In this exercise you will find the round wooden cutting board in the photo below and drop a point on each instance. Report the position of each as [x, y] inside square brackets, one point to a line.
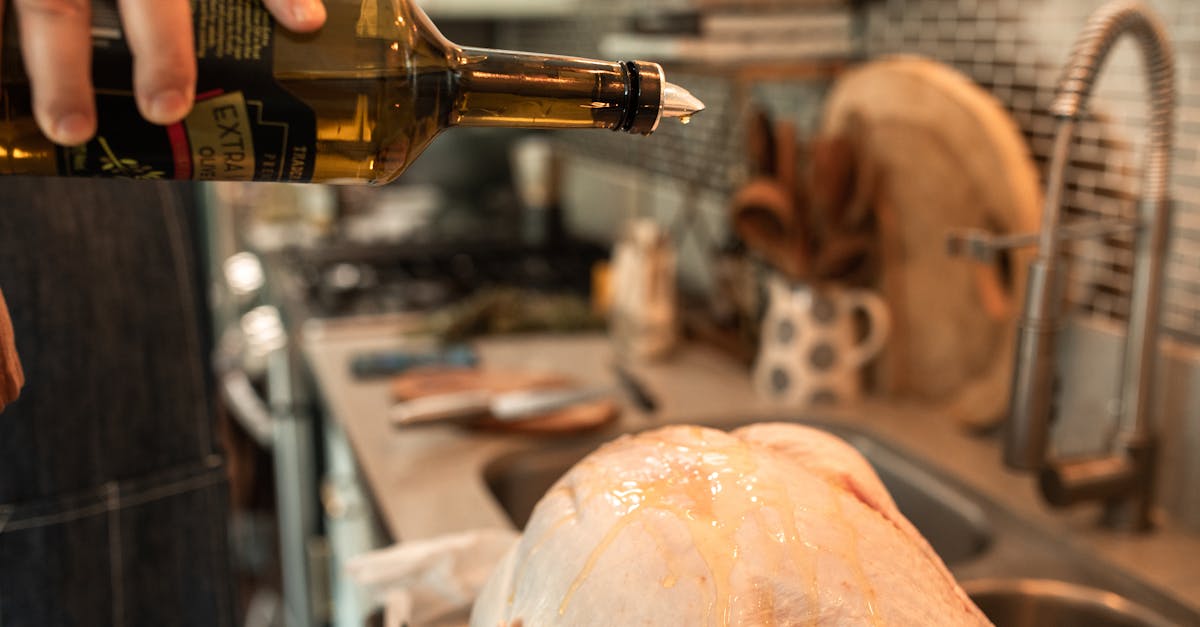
[934, 152]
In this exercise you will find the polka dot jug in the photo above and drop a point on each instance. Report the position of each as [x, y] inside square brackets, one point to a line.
[810, 352]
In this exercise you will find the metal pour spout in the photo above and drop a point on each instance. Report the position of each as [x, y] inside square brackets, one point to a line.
[678, 102]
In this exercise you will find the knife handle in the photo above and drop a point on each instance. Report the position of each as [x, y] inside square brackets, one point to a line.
[387, 363]
[635, 389]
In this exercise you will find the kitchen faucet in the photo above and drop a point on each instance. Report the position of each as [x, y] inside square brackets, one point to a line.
[1123, 477]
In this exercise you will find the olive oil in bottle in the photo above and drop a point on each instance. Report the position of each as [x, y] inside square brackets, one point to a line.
[355, 102]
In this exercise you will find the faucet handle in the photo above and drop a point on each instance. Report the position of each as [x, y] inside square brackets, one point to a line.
[982, 245]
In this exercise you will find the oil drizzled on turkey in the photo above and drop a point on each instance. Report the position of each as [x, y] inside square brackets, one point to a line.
[773, 524]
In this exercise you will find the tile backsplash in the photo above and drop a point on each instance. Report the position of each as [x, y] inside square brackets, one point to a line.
[1013, 48]
[1016, 49]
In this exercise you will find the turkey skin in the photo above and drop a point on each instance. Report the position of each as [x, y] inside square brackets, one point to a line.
[771, 524]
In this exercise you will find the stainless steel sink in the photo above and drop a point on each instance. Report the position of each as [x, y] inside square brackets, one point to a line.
[994, 553]
[1049, 603]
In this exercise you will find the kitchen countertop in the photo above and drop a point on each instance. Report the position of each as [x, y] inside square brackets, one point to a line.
[428, 481]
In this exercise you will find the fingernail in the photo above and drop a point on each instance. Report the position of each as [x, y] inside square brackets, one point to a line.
[305, 11]
[301, 10]
[72, 129]
[168, 106]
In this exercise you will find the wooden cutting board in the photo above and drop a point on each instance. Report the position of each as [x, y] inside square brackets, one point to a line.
[579, 417]
[934, 152]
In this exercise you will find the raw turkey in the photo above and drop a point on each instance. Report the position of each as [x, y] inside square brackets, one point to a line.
[772, 524]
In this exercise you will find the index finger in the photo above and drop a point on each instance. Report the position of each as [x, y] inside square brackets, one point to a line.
[301, 16]
[56, 42]
[159, 34]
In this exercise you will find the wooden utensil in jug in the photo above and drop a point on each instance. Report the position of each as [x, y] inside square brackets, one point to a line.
[765, 212]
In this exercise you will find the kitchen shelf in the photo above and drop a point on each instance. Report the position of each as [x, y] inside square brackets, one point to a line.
[763, 71]
[491, 9]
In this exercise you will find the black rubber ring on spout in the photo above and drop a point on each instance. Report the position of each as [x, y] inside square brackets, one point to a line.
[633, 91]
[643, 97]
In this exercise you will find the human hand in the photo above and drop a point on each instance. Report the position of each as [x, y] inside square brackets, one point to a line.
[12, 377]
[56, 44]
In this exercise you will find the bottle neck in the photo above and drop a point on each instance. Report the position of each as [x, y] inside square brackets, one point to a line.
[517, 89]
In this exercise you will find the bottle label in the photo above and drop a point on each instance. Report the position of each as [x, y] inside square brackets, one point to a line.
[244, 126]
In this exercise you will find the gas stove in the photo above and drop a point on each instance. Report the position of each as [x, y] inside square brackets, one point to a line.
[339, 281]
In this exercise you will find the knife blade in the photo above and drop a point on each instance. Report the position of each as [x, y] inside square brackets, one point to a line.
[474, 405]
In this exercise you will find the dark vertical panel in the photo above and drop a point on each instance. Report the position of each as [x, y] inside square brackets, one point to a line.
[101, 281]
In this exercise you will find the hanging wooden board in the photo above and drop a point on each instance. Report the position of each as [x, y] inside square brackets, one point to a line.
[933, 153]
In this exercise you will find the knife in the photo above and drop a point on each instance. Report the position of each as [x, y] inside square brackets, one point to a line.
[506, 407]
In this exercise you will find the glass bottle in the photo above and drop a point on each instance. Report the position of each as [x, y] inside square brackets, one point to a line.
[355, 102]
